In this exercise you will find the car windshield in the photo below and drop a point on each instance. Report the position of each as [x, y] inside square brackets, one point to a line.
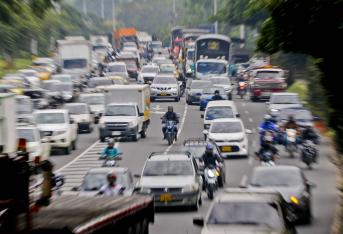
[94, 181]
[77, 109]
[221, 81]
[226, 127]
[211, 68]
[164, 80]
[190, 54]
[169, 69]
[200, 85]
[74, 63]
[116, 68]
[268, 74]
[24, 106]
[245, 213]
[50, 118]
[92, 83]
[299, 115]
[120, 110]
[170, 167]
[93, 100]
[62, 78]
[27, 134]
[212, 90]
[60, 87]
[149, 69]
[219, 112]
[276, 177]
[284, 99]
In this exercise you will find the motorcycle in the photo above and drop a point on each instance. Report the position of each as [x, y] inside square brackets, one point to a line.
[211, 180]
[241, 89]
[170, 133]
[111, 161]
[308, 153]
[291, 138]
[266, 158]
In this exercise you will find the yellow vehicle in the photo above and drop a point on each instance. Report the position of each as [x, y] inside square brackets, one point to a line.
[118, 80]
[169, 69]
[14, 86]
[44, 72]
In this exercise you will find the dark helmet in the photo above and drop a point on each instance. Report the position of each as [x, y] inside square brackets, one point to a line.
[112, 177]
[290, 117]
[216, 92]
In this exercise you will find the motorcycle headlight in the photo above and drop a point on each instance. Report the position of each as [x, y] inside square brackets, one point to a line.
[56, 133]
[145, 190]
[274, 110]
[210, 174]
[190, 188]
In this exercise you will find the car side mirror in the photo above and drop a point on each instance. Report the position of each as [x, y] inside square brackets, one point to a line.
[205, 132]
[71, 121]
[199, 221]
[44, 140]
[248, 131]
[141, 114]
[137, 176]
[238, 115]
[202, 116]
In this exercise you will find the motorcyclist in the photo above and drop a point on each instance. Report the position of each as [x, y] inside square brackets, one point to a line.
[110, 150]
[267, 126]
[267, 145]
[170, 115]
[217, 96]
[209, 157]
[111, 188]
[309, 134]
[291, 124]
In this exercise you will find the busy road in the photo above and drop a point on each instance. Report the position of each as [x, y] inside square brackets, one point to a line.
[238, 171]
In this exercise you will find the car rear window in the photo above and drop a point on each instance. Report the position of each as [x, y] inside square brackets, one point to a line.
[168, 168]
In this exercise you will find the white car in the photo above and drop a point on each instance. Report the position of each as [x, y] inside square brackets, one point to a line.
[219, 110]
[165, 86]
[283, 100]
[224, 82]
[37, 147]
[58, 128]
[65, 78]
[147, 74]
[96, 103]
[81, 114]
[117, 69]
[230, 136]
[24, 109]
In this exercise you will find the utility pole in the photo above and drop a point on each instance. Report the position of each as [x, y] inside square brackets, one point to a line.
[113, 15]
[84, 4]
[102, 9]
[174, 12]
[215, 12]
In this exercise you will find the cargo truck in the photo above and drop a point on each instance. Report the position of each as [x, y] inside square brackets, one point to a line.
[127, 111]
[74, 56]
[8, 122]
[124, 35]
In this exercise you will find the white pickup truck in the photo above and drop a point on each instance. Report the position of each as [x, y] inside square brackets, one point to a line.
[59, 129]
[127, 112]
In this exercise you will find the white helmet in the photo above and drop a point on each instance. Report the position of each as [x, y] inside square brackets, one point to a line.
[267, 117]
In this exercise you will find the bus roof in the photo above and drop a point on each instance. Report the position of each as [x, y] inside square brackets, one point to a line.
[214, 36]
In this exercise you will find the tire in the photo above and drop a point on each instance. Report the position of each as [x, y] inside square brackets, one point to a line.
[73, 144]
[135, 137]
[230, 96]
[170, 140]
[102, 139]
[221, 182]
[210, 192]
[308, 218]
[145, 227]
[143, 133]
[197, 204]
[68, 149]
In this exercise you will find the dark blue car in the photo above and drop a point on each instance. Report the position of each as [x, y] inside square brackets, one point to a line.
[207, 95]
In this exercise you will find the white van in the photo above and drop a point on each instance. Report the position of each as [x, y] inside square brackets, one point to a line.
[219, 110]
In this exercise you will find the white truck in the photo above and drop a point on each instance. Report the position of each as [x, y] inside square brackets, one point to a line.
[127, 112]
[74, 56]
[8, 122]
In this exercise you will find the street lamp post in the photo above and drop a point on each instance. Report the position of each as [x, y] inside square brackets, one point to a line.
[215, 12]
[113, 15]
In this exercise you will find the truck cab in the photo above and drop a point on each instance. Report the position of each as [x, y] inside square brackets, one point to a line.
[265, 81]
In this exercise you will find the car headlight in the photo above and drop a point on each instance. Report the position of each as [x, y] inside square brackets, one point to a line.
[132, 124]
[145, 190]
[190, 188]
[56, 133]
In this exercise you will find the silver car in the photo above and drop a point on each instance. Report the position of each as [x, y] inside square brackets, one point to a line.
[172, 179]
[165, 86]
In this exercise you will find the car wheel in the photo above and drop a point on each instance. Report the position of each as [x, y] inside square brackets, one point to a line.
[68, 149]
[143, 133]
[197, 204]
[135, 137]
[221, 182]
[308, 216]
[73, 144]
[230, 96]
[102, 139]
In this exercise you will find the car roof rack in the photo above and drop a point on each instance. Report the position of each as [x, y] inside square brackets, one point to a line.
[169, 153]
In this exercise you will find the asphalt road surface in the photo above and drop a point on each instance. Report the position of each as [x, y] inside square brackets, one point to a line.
[74, 166]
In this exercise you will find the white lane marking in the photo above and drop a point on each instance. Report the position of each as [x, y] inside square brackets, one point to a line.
[82, 154]
[246, 112]
[158, 112]
[244, 180]
[180, 128]
[251, 120]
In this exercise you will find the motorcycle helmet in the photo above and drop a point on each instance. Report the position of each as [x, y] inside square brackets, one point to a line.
[216, 92]
[267, 117]
[209, 148]
[111, 142]
[112, 177]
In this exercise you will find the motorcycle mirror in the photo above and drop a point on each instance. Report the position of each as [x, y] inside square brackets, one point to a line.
[202, 116]
[205, 132]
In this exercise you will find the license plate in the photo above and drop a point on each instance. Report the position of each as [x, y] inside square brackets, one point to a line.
[163, 94]
[167, 197]
[226, 148]
[266, 94]
[116, 133]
